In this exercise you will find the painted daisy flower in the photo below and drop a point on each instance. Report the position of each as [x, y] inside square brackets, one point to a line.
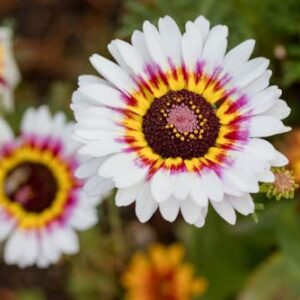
[161, 274]
[177, 123]
[41, 202]
[9, 73]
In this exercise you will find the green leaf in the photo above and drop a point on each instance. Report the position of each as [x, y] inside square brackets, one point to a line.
[270, 281]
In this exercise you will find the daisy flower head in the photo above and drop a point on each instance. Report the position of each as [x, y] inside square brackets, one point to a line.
[41, 200]
[9, 73]
[161, 274]
[177, 123]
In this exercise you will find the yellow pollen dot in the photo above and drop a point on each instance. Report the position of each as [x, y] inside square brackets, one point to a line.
[185, 133]
[193, 107]
[201, 123]
[196, 131]
[191, 103]
[165, 115]
[200, 136]
[192, 136]
[177, 135]
[174, 130]
[167, 126]
[162, 110]
[168, 103]
[197, 110]
[202, 131]
[182, 138]
[171, 125]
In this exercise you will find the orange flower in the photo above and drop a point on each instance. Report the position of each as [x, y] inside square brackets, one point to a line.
[291, 148]
[161, 274]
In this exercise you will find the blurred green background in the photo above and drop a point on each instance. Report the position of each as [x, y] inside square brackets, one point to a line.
[53, 40]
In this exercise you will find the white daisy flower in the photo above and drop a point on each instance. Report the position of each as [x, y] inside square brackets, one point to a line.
[9, 73]
[41, 200]
[177, 123]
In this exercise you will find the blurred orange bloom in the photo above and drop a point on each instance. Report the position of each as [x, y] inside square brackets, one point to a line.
[161, 274]
[291, 148]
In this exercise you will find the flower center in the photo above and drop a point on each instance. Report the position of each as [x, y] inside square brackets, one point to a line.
[181, 124]
[31, 185]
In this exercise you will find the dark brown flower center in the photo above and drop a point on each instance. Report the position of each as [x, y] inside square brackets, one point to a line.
[181, 124]
[32, 185]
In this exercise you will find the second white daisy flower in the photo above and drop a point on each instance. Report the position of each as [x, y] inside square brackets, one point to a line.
[41, 200]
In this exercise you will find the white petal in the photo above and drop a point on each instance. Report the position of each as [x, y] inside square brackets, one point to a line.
[280, 160]
[215, 45]
[249, 71]
[212, 185]
[30, 251]
[201, 220]
[66, 239]
[180, 185]
[6, 134]
[238, 55]
[171, 37]
[197, 192]
[89, 167]
[59, 121]
[124, 170]
[13, 248]
[258, 84]
[161, 185]
[84, 216]
[116, 53]
[97, 186]
[145, 204]
[91, 79]
[126, 196]
[28, 120]
[242, 179]
[169, 209]
[190, 210]
[264, 126]
[113, 73]
[231, 188]
[280, 110]
[253, 163]
[131, 57]
[261, 148]
[264, 100]
[152, 37]
[138, 42]
[266, 176]
[49, 253]
[103, 94]
[97, 114]
[6, 226]
[225, 210]
[101, 148]
[43, 120]
[243, 205]
[191, 46]
[203, 24]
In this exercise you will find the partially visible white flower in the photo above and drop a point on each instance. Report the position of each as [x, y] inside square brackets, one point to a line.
[41, 201]
[9, 72]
